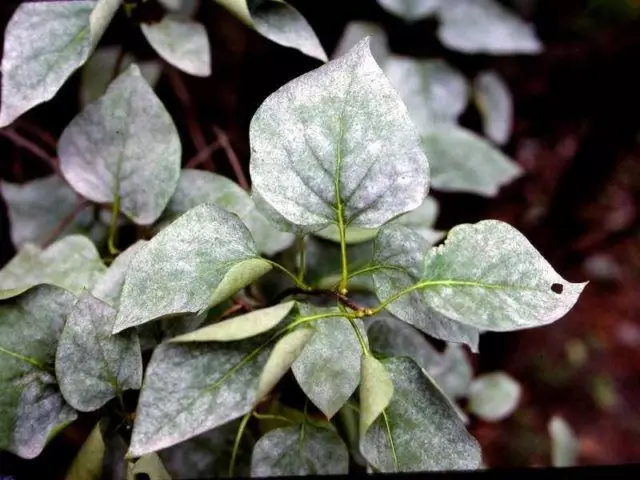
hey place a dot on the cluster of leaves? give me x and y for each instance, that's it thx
(332, 254)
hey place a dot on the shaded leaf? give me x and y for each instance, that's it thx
(198, 261)
(300, 450)
(92, 365)
(185, 7)
(32, 407)
(72, 263)
(494, 396)
(565, 446)
(123, 149)
(486, 275)
(357, 30)
(182, 42)
(321, 157)
(149, 466)
(44, 43)
(87, 465)
(376, 391)
(462, 161)
(420, 430)
(421, 220)
(279, 22)
(412, 10)
(454, 372)
(494, 101)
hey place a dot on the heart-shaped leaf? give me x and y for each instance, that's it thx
(494, 101)
(33, 408)
(72, 263)
(486, 275)
(419, 430)
(494, 396)
(92, 365)
(279, 22)
(201, 259)
(300, 450)
(123, 149)
(412, 10)
(44, 43)
(320, 156)
(182, 42)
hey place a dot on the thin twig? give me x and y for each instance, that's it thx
(42, 134)
(343, 299)
(27, 144)
(223, 138)
(64, 223)
(203, 155)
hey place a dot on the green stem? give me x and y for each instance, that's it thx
(113, 226)
(263, 416)
(236, 443)
(391, 444)
(363, 344)
(344, 270)
(313, 318)
(299, 283)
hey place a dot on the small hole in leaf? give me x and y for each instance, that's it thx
(557, 288)
(142, 476)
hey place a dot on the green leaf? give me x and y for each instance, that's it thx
(87, 465)
(99, 70)
(357, 30)
(462, 161)
(93, 366)
(31, 404)
(279, 22)
(328, 370)
(565, 446)
(44, 43)
(124, 141)
(353, 235)
(321, 157)
(201, 259)
(494, 101)
(38, 207)
(486, 275)
(72, 263)
(149, 466)
(454, 372)
(240, 327)
(182, 42)
(434, 92)
(494, 396)
(411, 11)
(300, 450)
(420, 430)
(198, 186)
(376, 391)
(421, 220)
(485, 26)
(398, 254)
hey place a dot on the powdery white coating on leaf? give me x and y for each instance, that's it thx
(462, 161)
(493, 98)
(45, 42)
(411, 10)
(72, 263)
(494, 396)
(124, 146)
(31, 404)
(186, 7)
(92, 365)
(198, 186)
(328, 370)
(426, 432)
(181, 42)
(434, 92)
(38, 207)
(485, 26)
(335, 142)
(357, 30)
(190, 388)
(565, 446)
(299, 450)
(202, 258)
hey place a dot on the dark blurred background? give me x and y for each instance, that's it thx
(577, 136)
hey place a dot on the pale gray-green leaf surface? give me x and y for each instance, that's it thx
(376, 391)
(279, 22)
(462, 161)
(44, 43)
(198, 186)
(124, 148)
(419, 430)
(494, 396)
(31, 404)
(434, 92)
(357, 30)
(328, 370)
(320, 155)
(485, 26)
(300, 450)
(198, 261)
(72, 263)
(411, 10)
(494, 101)
(92, 365)
(182, 42)
(185, 7)
(486, 275)
(565, 446)
(38, 207)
